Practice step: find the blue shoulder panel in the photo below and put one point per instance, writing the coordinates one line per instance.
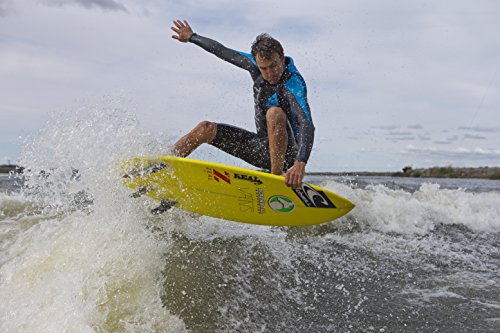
(248, 55)
(297, 87)
(273, 100)
(291, 66)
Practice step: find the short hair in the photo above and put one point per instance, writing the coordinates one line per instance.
(265, 45)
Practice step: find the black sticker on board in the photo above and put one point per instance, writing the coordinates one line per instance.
(313, 198)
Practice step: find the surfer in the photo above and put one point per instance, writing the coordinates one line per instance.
(285, 131)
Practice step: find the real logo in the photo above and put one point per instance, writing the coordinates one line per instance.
(282, 204)
(254, 179)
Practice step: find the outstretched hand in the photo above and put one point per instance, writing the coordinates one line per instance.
(295, 174)
(183, 31)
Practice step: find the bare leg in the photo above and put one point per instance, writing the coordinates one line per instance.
(204, 132)
(278, 138)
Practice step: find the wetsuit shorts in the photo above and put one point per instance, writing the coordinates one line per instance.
(249, 147)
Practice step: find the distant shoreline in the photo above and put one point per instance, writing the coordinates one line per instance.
(434, 172)
(6, 168)
(492, 173)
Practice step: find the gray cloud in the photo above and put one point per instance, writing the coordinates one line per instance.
(481, 129)
(424, 138)
(400, 133)
(443, 142)
(474, 137)
(456, 153)
(387, 127)
(447, 141)
(415, 126)
(400, 138)
(4, 7)
(110, 5)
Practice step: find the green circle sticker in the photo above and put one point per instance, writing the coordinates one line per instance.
(280, 203)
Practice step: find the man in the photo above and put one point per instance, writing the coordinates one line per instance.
(285, 132)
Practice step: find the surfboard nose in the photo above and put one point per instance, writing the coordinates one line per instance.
(346, 204)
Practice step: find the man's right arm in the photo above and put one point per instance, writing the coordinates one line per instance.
(184, 33)
(236, 58)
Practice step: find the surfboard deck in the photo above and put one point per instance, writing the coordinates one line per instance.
(231, 193)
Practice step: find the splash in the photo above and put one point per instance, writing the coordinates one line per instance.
(421, 211)
(86, 260)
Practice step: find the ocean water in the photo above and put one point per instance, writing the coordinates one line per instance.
(77, 254)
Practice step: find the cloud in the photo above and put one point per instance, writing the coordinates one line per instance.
(474, 137)
(400, 138)
(5, 7)
(387, 127)
(481, 129)
(443, 142)
(447, 141)
(415, 126)
(424, 138)
(400, 133)
(110, 5)
(455, 153)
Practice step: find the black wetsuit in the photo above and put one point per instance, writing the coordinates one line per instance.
(290, 94)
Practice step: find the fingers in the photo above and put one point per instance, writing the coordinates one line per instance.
(178, 24)
(293, 180)
(297, 180)
(288, 178)
(182, 25)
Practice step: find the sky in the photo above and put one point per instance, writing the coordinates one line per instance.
(390, 83)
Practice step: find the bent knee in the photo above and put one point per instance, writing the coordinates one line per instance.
(207, 130)
(206, 126)
(275, 113)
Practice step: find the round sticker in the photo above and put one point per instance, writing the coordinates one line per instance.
(280, 203)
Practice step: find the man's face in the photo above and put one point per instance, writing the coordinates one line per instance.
(271, 69)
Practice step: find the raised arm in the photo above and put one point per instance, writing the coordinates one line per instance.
(185, 34)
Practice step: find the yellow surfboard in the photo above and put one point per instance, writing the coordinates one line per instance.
(231, 193)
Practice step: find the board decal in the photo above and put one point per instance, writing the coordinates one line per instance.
(260, 201)
(312, 198)
(254, 179)
(245, 200)
(219, 175)
(281, 204)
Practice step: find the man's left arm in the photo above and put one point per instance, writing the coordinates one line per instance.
(296, 94)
